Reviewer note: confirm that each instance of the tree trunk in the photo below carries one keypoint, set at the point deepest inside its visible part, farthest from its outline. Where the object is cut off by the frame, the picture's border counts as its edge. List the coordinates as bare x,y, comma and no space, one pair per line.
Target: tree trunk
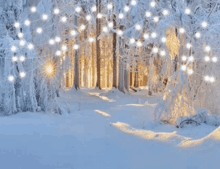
114,55
98,52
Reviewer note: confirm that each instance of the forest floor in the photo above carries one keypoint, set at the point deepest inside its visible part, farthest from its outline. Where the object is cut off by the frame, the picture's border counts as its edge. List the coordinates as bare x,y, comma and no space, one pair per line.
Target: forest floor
104,130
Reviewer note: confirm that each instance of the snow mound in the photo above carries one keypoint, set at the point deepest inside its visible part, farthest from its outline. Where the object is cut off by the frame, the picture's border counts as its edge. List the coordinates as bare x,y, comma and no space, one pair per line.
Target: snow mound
102,113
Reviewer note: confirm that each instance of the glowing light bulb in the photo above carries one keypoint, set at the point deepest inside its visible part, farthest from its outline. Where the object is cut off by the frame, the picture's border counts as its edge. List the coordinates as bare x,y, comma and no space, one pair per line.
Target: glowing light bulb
153,4
13,48
204,24
207,48
191,58
132,40
188,45
93,8
165,12
39,30
14,59
11,78
146,36
78,9
27,22
139,44
206,78
121,16
91,39
110,25
45,17
155,50
138,27
105,29
214,59
64,48
20,35
33,9
58,53
133,2
73,32
182,30
197,35
164,39
22,58
22,42
212,79
184,58
126,8
162,53
154,35
30,46
88,17
56,11
187,11
17,25
76,47
57,39
183,67
99,15
148,14
109,6
22,74
120,32
51,42
64,19
190,71
82,27
207,58
156,19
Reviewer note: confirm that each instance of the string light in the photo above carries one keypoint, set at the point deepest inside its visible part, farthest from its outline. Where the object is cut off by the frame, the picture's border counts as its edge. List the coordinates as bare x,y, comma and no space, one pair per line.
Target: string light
91,39
11,78
20,35
57,39
58,53
64,48
51,42
187,11
206,78
148,14
88,17
133,2
14,59
153,4
39,30
183,67
165,12
156,19
155,50
154,35
44,17
197,35
207,48
190,71
191,58
109,6
105,29
212,79
99,15
182,30
132,40
22,42
184,58
126,8
27,22
146,36
138,27
73,32
76,47
164,39
188,45
17,25
30,46
93,8
22,58
120,32
110,25
22,74
33,9
56,11
78,9
121,16
204,24
214,59
64,19
82,27
207,58
162,53
13,48
139,44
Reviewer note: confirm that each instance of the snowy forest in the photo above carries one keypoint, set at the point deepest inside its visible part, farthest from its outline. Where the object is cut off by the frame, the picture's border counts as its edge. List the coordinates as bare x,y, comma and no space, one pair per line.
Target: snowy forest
161,52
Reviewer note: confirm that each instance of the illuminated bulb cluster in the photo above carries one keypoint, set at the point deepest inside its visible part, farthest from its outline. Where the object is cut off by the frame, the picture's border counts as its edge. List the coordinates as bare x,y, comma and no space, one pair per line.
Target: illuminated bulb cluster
126,8
64,19
146,36
64,48
17,25
76,47
153,4
214,59
182,30
204,24
207,58
183,67
20,35
88,17
99,15
22,74
187,11
163,39
56,11
39,30
57,39
132,41
51,42
22,58
27,22
58,53
165,12
11,78
162,53
121,16
14,59
120,32
207,48
44,17
82,27
110,25
73,32
148,14
138,27
155,50
30,46
33,9
22,42
154,35
184,58
133,2
139,44
13,48
109,6
197,35
156,19
93,9
188,45
209,79
78,9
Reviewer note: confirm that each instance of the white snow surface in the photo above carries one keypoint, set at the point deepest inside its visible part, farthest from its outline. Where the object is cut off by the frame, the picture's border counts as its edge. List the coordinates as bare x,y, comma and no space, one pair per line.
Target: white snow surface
104,130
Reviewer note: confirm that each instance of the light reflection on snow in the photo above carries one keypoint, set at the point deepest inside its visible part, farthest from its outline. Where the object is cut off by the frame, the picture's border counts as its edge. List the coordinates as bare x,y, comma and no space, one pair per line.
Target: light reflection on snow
102,113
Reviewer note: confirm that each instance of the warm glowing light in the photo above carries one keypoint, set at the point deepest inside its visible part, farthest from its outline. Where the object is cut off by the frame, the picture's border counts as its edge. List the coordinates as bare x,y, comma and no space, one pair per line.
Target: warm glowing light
183,67
214,59
50,69
153,4
184,58
30,46
91,39
110,25
13,48
88,17
156,19
146,36
57,39
190,71
22,58
27,22
154,35
197,35
105,29
82,27
17,25
22,74
162,53
191,58
56,11
207,48
64,19
120,32
76,47
33,9
99,15
126,8
188,45
58,53
14,59
78,9
207,58
133,2
148,14
206,78
212,79
11,78
39,30
138,27
45,17
121,16
187,11
51,42
64,48
164,39
155,50
22,42
165,12
109,6
132,40
182,30
139,44
73,32
20,35
204,24
93,8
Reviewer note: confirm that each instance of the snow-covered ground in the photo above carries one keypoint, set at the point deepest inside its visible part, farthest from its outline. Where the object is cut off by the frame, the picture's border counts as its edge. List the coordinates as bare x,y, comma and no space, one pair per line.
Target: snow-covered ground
104,130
